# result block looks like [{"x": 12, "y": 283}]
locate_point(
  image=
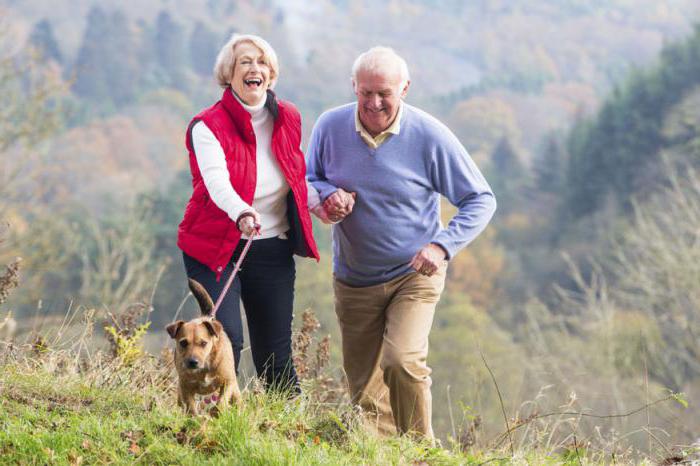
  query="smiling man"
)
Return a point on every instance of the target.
[{"x": 381, "y": 165}]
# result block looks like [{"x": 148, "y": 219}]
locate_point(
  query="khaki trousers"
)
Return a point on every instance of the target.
[{"x": 384, "y": 330}]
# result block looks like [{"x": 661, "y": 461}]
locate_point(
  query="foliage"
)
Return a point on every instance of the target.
[
  {"x": 117, "y": 263},
  {"x": 43, "y": 39},
  {"x": 481, "y": 123},
  {"x": 9, "y": 280},
  {"x": 655, "y": 265},
  {"x": 509, "y": 177},
  {"x": 618, "y": 151},
  {"x": 127, "y": 347},
  {"x": 203, "y": 46},
  {"x": 169, "y": 44},
  {"x": 106, "y": 65},
  {"x": 27, "y": 104}
]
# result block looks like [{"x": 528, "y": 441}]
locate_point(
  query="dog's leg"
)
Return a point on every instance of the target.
[
  {"x": 186, "y": 400},
  {"x": 229, "y": 392}
]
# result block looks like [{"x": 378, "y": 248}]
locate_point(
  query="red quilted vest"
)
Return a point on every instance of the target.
[{"x": 206, "y": 233}]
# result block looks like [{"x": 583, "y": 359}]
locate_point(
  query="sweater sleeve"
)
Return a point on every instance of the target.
[
  {"x": 212, "y": 164},
  {"x": 315, "y": 172},
  {"x": 455, "y": 175}
]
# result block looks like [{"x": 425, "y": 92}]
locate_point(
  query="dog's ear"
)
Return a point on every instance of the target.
[
  {"x": 202, "y": 297},
  {"x": 174, "y": 328},
  {"x": 214, "y": 326}
]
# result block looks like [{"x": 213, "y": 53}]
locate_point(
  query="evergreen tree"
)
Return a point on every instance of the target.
[
  {"x": 204, "y": 46},
  {"x": 120, "y": 64},
  {"x": 42, "y": 38},
  {"x": 107, "y": 68},
  {"x": 617, "y": 153},
  {"x": 90, "y": 79},
  {"x": 550, "y": 165},
  {"x": 170, "y": 48},
  {"x": 508, "y": 176}
]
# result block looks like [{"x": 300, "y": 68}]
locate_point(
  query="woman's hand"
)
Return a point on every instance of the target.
[
  {"x": 249, "y": 223},
  {"x": 339, "y": 205}
]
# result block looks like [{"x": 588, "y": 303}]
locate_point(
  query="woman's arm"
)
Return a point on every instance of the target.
[
  {"x": 315, "y": 205},
  {"x": 212, "y": 165}
]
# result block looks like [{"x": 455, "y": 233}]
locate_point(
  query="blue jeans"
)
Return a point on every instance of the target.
[{"x": 265, "y": 284}]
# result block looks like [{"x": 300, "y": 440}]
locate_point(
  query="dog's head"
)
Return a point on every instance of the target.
[
  {"x": 195, "y": 341},
  {"x": 198, "y": 339}
]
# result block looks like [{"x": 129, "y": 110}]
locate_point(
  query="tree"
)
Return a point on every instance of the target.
[
  {"x": 481, "y": 122},
  {"x": 43, "y": 40},
  {"x": 90, "y": 76},
  {"x": 170, "y": 48},
  {"x": 508, "y": 176},
  {"x": 204, "y": 45},
  {"x": 550, "y": 165},
  {"x": 107, "y": 69}
]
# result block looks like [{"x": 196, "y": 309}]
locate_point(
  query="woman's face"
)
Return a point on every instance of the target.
[{"x": 251, "y": 74}]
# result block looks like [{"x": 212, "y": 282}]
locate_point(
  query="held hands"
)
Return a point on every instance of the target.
[
  {"x": 428, "y": 259},
  {"x": 339, "y": 204},
  {"x": 249, "y": 223}
]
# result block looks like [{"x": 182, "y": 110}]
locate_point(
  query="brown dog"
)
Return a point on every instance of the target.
[{"x": 203, "y": 356}]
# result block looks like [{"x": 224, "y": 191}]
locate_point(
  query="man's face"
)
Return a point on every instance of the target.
[{"x": 378, "y": 98}]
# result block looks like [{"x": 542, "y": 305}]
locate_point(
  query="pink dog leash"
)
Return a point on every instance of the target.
[{"x": 233, "y": 275}]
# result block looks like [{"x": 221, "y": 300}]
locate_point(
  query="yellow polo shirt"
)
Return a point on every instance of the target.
[{"x": 377, "y": 141}]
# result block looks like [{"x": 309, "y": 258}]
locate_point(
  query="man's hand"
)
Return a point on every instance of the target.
[
  {"x": 249, "y": 223},
  {"x": 339, "y": 204},
  {"x": 428, "y": 259}
]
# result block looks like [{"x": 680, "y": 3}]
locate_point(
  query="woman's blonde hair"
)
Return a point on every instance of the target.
[{"x": 226, "y": 60}]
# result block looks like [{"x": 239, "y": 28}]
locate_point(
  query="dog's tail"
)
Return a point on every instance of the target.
[{"x": 206, "y": 305}]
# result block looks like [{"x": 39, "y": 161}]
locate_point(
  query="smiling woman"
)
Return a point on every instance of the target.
[{"x": 249, "y": 182}]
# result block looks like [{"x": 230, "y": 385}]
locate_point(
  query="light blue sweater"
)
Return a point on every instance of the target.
[{"x": 398, "y": 186}]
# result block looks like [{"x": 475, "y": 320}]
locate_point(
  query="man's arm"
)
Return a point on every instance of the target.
[
  {"x": 337, "y": 203},
  {"x": 454, "y": 174},
  {"x": 315, "y": 170}
]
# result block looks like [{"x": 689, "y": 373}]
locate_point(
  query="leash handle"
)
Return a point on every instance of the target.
[{"x": 233, "y": 275}]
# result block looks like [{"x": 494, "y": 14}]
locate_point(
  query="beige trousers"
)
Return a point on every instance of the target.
[{"x": 384, "y": 330}]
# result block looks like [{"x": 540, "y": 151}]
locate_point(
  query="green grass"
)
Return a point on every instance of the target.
[{"x": 49, "y": 419}]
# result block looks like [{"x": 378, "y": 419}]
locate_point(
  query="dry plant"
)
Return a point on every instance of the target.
[
  {"x": 655, "y": 265},
  {"x": 9, "y": 280},
  {"x": 310, "y": 363},
  {"x": 121, "y": 269},
  {"x": 626, "y": 331},
  {"x": 65, "y": 354}
]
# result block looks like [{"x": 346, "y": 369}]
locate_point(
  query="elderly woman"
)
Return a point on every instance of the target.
[{"x": 248, "y": 179}]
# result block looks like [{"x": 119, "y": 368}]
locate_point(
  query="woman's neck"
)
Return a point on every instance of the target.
[{"x": 252, "y": 109}]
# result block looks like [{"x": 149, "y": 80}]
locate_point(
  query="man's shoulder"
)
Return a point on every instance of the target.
[
  {"x": 424, "y": 121},
  {"x": 337, "y": 114}
]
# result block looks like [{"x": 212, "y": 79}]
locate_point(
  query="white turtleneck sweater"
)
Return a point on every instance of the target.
[{"x": 271, "y": 188}]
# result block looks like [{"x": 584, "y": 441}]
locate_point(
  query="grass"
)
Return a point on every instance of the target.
[
  {"x": 62, "y": 404},
  {"x": 46, "y": 420}
]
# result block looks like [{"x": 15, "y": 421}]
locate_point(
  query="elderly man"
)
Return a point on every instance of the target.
[{"x": 380, "y": 166}]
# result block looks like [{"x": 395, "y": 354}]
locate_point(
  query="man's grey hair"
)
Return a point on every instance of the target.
[
  {"x": 226, "y": 60},
  {"x": 381, "y": 59}
]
